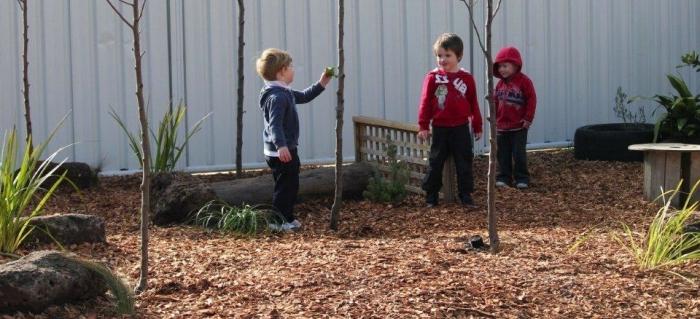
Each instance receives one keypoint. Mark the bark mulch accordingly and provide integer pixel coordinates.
(404, 261)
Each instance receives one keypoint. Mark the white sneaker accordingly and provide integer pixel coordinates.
(296, 223)
(501, 184)
(275, 227)
(521, 185)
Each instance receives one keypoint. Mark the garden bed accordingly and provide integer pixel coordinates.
(404, 261)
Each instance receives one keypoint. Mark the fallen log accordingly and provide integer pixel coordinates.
(174, 199)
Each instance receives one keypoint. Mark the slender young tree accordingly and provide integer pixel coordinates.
(25, 70)
(338, 202)
(134, 24)
(491, 12)
(239, 117)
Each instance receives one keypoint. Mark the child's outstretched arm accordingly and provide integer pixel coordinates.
(313, 91)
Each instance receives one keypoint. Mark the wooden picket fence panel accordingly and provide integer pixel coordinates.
(373, 137)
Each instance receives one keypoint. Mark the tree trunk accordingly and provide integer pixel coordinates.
(494, 241)
(137, 12)
(338, 202)
(239, 118)
(146, 151)
(25, 72)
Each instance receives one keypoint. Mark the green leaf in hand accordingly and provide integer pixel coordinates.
(330, 71)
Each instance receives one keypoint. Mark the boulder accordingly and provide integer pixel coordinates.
(80, 174)
(67, 229)
(175, 195)
(46, 278)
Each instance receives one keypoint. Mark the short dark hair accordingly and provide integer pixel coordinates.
(450, 41)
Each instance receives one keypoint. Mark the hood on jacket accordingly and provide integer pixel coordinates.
(507, 54)
(267, 90)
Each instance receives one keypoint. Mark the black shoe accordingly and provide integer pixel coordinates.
(468, 202)
(431, 200)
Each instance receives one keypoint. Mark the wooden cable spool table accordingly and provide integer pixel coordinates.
(665, 165)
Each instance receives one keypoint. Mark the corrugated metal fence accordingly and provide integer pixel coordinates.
(576, 52)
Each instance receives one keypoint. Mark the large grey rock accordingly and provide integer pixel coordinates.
(68, 229)
(80, 174)
(46, 278)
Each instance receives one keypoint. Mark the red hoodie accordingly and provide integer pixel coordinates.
(449, 100)
(515, 96)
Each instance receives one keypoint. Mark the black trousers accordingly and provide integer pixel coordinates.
(512, 158)
(455, 141)
(286, 177)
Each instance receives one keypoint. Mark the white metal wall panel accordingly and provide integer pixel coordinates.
(576, 52)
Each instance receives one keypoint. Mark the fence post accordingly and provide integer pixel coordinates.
(358, 141)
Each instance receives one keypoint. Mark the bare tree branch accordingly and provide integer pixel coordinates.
(127, 3)
(473, 23)
(121, 16)
(498, 7)
(143, 5)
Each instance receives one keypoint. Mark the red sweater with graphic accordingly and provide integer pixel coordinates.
(515, 96)
(449, 100)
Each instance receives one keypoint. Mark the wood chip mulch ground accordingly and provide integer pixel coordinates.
(405, 261)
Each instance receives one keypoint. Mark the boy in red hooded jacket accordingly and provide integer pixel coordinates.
(448, 100)
(515, 110)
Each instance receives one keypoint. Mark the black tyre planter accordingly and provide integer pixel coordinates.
(609, 142)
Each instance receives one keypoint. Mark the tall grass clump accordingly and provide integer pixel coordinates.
(244, 220)
(168, 147)
(22, 175)
(666, 243)
(123, 295)
(390, 189)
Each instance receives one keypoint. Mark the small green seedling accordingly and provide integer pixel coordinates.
(331, 71)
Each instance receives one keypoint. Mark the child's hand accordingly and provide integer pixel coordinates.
(423, 135)
(325, 79)
(477, 136)
(285, 155)
(526, 124)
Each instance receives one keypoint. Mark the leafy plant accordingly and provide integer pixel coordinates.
(691, 59)
(246, 220)
(682, 117)
(20, 186)
(119, 289)
(168, 151)
(666, 242)
(393, 189)
(622, 111)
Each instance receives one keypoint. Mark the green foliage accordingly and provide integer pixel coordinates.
(682, 117)
(21, 186)
(246, 220)
(119, 289)
(393, 188)
(622, 111)
(168, 151)
(331, 71)
(666, 243)
(691, 59)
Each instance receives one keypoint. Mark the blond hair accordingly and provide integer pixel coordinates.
(271, 61)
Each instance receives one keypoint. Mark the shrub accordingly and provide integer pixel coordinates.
(623, 112)
(393, 188)
(246, 220)
(21, 186)
(666, 242)
(682, 117)
(168, 151)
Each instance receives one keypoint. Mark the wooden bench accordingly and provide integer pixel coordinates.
(665, 165)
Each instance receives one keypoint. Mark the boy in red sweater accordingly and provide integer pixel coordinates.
(448, 99)
(515, 111)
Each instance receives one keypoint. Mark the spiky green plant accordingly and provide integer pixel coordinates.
(244, 220)
(168, 151)
(666, 243)
(20, 186)
(123, 295)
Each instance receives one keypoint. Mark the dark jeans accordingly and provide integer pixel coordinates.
(286, 177)
(455, 141)
(512, 158)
